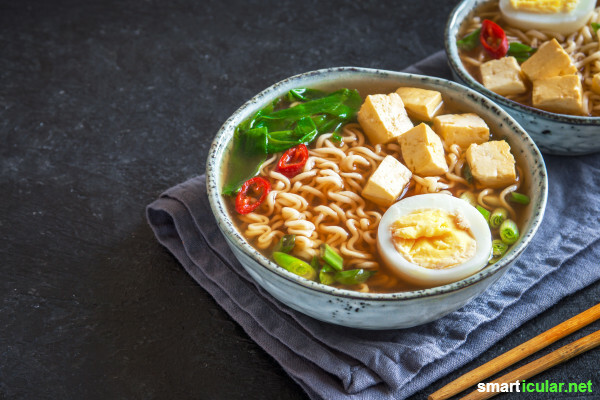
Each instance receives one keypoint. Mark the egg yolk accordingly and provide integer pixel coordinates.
(433, 238)
(544, 6)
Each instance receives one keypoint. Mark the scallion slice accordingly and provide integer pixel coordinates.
(331, 257)
(519, 198)
(509, 233)
(499, 215)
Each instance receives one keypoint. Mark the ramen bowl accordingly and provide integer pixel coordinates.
(553, 133)
(375, 310)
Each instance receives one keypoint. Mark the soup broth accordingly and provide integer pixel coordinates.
(323, 202)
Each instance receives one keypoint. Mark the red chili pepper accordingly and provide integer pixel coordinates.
(493, 39)
(252, 193)
(292, 161)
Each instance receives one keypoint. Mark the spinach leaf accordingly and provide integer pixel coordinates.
(270, 131)
(520, 51)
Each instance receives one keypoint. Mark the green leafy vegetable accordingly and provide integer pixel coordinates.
(470, 41)
(295, 265)
(353, 276)
(271, 131)
(285, 244)
(520, 51)
(304, 94)
(595, 26)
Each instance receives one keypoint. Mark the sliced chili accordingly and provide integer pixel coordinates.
(493, 39)
(293, 160)
(252, 193)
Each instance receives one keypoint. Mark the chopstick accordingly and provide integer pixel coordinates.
(541, 364)
(518, 353)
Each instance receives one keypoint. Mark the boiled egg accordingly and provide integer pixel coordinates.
(434, 239)
(562, 16)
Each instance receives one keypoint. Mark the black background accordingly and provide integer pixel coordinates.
(105, 104)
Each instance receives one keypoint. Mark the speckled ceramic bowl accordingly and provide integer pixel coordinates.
(373, 310)
(553, 133)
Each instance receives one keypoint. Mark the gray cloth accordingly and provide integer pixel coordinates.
(329, 361)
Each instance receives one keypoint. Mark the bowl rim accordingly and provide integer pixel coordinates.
(231, 233)
(458, 68)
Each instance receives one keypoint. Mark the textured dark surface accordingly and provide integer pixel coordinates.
(105, 104)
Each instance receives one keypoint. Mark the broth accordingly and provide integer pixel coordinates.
(384, 281)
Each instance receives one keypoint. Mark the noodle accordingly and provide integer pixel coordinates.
(322, 204)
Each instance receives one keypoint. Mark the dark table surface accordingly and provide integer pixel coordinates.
(103, 105)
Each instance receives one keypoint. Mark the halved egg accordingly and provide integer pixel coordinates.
(563, 16)
(434, 239)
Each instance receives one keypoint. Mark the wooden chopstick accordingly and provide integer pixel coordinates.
(541, 364)
(518, 353)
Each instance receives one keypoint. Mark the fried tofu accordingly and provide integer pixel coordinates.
(559, 94)
(421, 104)
(387, 182)
(492, 164)
(423, 151)
(461, 129)
(548, 61)
(383, 118)
(503, 76)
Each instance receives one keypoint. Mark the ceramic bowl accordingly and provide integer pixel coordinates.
(375, 310)
(553, 133)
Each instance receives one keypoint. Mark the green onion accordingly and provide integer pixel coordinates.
(333, 259)
(286, 244)
(466, 173)
(519, 198)
(499, 215)
(484, 212)
(295, 265)
(325, 271)
(470, 198)
(499, 248)
(353, 276)
(470, 41)
(509, 233)
(595, 26)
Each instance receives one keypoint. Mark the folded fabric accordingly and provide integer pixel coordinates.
(330, 361)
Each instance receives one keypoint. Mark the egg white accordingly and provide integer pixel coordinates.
(422, 276)
(564, 23)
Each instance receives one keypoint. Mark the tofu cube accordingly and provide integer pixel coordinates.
(387, 182)
(383, 118)
(559, 94)
(549, 60)
(461, 129)
(423, 151)
(421, 104)
(596, 83)
(492, 163)
(503, 76)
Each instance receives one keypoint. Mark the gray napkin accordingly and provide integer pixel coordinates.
(329, 361)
